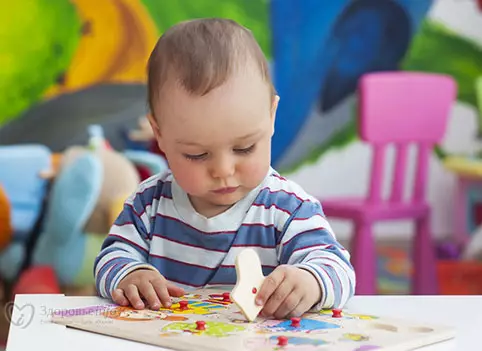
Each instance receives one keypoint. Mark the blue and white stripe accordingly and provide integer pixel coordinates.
(283, 224)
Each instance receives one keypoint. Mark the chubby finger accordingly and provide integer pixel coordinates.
(132, 293)
(150, 295)
(175, 290)
(270, 284)
(277, 298)
(289, 305)
(160, 286)
(299, 310)
(119, 298)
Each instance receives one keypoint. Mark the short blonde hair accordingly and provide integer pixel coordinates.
(200, 55)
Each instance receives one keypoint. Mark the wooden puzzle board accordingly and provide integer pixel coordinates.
(225, 327)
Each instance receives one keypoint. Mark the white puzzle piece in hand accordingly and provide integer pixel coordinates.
(249, 280)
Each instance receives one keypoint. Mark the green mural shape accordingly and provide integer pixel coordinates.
(217, 329)
(478, 95)
(251, 13)
(437, 49)
(39, 39)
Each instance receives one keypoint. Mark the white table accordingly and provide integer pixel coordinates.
(462, 312)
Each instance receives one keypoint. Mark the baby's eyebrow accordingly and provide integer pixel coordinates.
(250, 135)
(242, 138)
(186, 142)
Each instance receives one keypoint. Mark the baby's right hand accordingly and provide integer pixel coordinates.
(148, 284)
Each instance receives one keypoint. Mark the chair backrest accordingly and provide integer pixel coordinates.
(403, 109)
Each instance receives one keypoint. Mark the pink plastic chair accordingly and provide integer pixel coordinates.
(399, 108)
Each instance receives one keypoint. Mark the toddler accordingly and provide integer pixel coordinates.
(212, 111)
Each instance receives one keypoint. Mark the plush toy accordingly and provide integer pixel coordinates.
(63, 243)
(87, 193)
(86, 196)
(25, 190)
(118, 178)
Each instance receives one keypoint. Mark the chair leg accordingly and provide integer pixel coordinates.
(364, 259)
(424, 280)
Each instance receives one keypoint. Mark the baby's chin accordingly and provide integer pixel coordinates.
(227, 199)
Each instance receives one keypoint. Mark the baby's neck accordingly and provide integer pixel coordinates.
(214, 211)
(209, 210)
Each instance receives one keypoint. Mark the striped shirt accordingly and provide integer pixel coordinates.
(159, 229)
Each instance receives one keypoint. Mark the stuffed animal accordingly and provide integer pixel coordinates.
(89, 188)
(87, 194)
(25, 191)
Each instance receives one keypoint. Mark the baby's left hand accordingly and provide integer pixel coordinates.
(288, 291)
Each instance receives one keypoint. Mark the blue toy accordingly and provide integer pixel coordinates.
(20, 176)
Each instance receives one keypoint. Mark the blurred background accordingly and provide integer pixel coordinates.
(74, 141)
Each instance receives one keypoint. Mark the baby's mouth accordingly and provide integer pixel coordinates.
(227, 190)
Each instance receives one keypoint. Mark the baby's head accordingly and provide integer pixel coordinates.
(213, 109)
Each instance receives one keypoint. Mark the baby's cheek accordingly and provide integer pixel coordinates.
(254, 171)
(191, 180)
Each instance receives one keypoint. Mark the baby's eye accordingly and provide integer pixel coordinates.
(245, 150)
(195, 157)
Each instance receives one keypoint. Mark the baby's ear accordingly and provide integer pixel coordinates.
(155, 129)
(154, 125)
(274, 108)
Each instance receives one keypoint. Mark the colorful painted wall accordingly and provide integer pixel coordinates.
(449, 40)
(67, 64)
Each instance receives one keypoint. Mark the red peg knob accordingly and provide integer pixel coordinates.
(183, 305)
(295, 322)
(200, 325)
(226, 297)
(282, 340)
(336, 313)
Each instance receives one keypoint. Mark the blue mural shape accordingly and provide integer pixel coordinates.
(369, 35)
(320, 49)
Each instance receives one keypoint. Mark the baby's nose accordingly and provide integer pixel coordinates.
(223, 167)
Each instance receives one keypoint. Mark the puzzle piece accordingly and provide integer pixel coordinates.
(205, 326)
(249, 280)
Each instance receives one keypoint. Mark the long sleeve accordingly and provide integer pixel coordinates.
(126, 248)
(309, 243)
